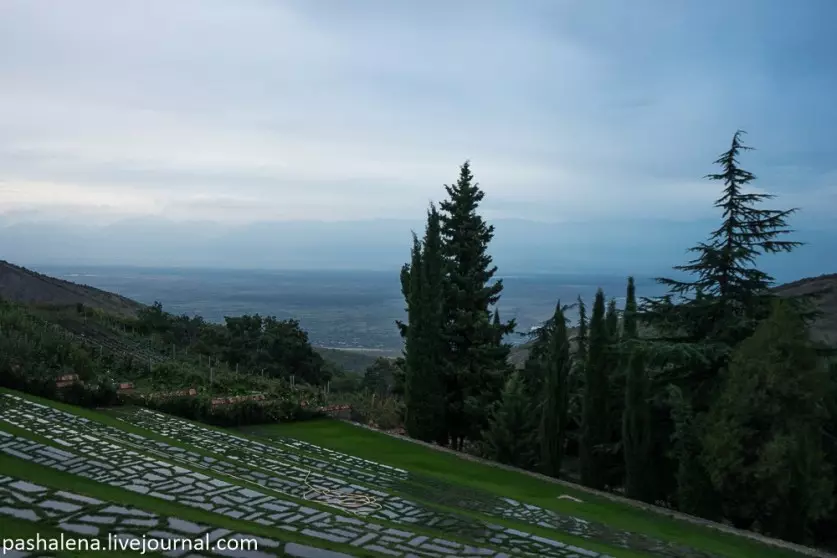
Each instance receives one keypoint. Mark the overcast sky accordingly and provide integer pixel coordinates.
(244, 111)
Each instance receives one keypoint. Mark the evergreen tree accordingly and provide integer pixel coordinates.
(433, 316)
(555, 406)
(414, 355)
(764, 444)
(578, 347)
(728, 294)
(582, 336)
(476, 359)
(701, 320)
(616, 385)
(612, 321)
(595, 428)
(636, 423)
(424, 383)
(509, 436)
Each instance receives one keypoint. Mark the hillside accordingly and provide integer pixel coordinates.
(131, 472)
(823, 288)
(18, 284)
(24, 286)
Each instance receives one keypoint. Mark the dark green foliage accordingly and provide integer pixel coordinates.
(616, 386)
(701, 321)
(425, 368)
(596, 424)
(763, 442)
(509, 437)
(199, 408)
(379, 378)
(475, 357)
(636, 423)
(612, 321)
(556, 397)
(728, 294)
(273, 348)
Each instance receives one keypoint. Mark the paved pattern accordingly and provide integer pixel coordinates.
(104, 454)
(341, 471)
(92, 518)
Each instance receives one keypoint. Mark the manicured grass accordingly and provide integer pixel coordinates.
(384, 449)
(108, 416)
(346, 438)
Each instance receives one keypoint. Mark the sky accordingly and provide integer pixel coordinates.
(247, 112)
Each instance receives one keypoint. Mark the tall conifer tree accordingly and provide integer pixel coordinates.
(636, 423)
(477, 360)
(555, 406)
(701, 320)
(595, 429)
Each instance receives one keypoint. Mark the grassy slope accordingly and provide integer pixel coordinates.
(110, 418)
(379, 447)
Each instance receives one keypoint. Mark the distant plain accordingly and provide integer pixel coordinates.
(339, 309)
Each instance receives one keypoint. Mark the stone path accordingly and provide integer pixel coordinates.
(99, 453)
(283, 453)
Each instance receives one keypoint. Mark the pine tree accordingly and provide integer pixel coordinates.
(555, 406)
(509, 437)
(764, 441)
(636, 423)
(477, 360)
(595, 429)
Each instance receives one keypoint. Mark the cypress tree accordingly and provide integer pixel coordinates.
(612, 321)
(433, 317)
(476, 358)
(582, 336)
(422, 283)
(554, 410)
(616, 388)
(414, 353)
(595, 427)
(636, 423)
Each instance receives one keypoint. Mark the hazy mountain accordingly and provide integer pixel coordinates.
(639, 247)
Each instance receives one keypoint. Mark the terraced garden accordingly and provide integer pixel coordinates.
(131, 472)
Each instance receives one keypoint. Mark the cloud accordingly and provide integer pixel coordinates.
(254, 110)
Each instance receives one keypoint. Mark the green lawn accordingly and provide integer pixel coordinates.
(346, 438)
(419, 460)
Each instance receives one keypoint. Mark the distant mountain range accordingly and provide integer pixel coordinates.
(640, 247)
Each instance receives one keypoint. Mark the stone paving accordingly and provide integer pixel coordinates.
(92, 518)
(333, 464)
(101, 455)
